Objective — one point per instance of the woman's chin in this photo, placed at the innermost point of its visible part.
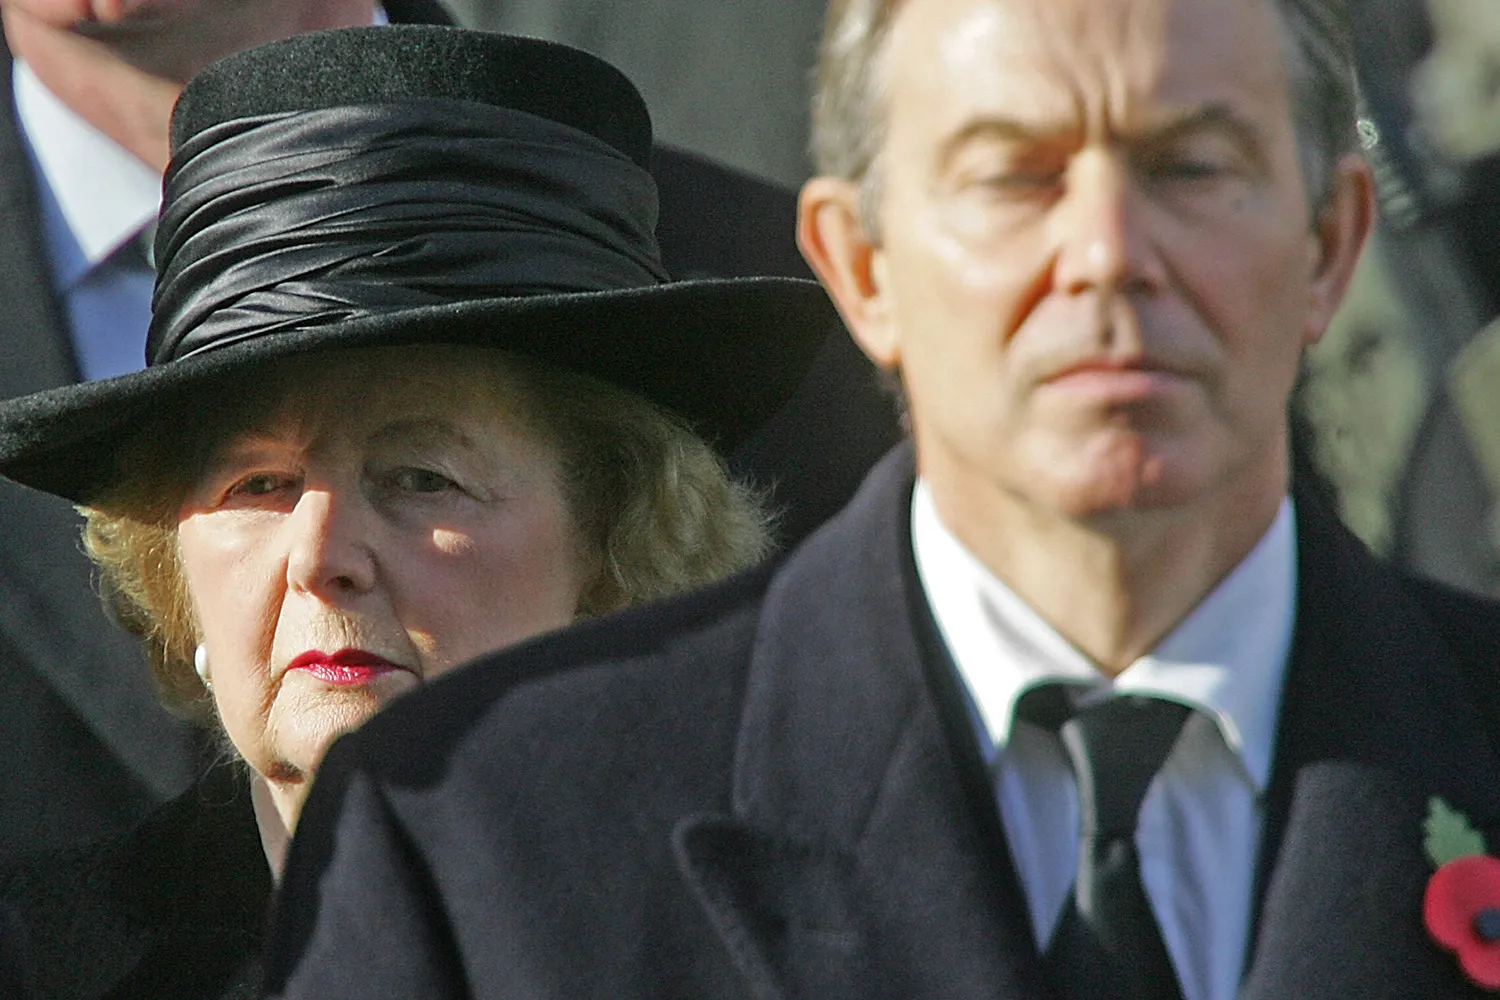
(308, 718)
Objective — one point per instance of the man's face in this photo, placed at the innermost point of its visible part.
(1095, 267)
(94, 15)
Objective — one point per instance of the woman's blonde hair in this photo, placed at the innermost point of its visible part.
(654, 508)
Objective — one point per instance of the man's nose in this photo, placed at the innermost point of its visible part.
(330, 552)
(1100, 232)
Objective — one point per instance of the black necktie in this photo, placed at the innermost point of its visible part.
(1108, 945)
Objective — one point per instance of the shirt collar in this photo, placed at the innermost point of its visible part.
(1227, 658)
(105, 194)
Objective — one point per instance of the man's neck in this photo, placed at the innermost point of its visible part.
(1113, 586)
(124, 81)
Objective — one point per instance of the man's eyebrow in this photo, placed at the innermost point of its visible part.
(1005, 130)
(1216, 117)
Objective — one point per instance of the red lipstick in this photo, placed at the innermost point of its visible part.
(346, 667)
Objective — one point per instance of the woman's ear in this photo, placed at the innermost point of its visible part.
(848, 261)
(1338, 238)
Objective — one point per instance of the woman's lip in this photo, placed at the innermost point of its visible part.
(347, 666)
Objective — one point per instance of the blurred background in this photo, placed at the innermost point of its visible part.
(726, 78)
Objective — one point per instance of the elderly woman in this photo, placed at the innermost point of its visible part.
(418, 389)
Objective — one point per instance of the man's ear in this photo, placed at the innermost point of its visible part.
(833, 239)
(1338, 238)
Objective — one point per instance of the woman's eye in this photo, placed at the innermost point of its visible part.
(259, 485)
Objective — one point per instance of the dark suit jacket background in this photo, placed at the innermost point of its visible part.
(720, 222)
(770, 790)
(84, 746)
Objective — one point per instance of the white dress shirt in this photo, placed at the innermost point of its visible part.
(1200, 823)
(95, 197)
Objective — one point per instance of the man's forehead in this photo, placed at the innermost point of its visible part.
(1075, 52)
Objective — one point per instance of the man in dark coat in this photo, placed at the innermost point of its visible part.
(910, 760)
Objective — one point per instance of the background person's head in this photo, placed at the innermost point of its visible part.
(120, 64)
(1094, 238)
(419, 386)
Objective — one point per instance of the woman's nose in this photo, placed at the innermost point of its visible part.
(330, 551)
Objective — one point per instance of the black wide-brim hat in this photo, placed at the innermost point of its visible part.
(404, 185)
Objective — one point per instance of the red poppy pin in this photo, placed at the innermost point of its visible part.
(1462, 904)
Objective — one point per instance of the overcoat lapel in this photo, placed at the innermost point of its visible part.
(1375, 720)
(856, 863)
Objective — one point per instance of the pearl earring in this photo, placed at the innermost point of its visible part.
(200, 664)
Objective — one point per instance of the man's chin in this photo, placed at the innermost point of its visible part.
(1118, 475)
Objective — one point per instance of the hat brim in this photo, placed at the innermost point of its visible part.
(723, 354)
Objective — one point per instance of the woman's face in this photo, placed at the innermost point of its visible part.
(387, 518)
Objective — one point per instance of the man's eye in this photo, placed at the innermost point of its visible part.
(1021, 180)
(1182, 166)
(420, 480)
(1189, 169)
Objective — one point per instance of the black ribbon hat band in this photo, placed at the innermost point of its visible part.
(343, 213)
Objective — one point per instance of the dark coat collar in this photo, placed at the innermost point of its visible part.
(175, 907)
(1376, 718)
(859, 863)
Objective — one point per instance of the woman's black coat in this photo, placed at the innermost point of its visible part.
(176, 908)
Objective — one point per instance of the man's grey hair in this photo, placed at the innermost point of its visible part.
(848, 115)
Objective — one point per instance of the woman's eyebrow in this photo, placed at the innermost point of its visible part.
(423, 430)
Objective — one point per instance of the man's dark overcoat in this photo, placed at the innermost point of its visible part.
(770, 790)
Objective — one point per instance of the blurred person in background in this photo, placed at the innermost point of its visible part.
(420, 389)
(85, 95)
(1399, 404)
